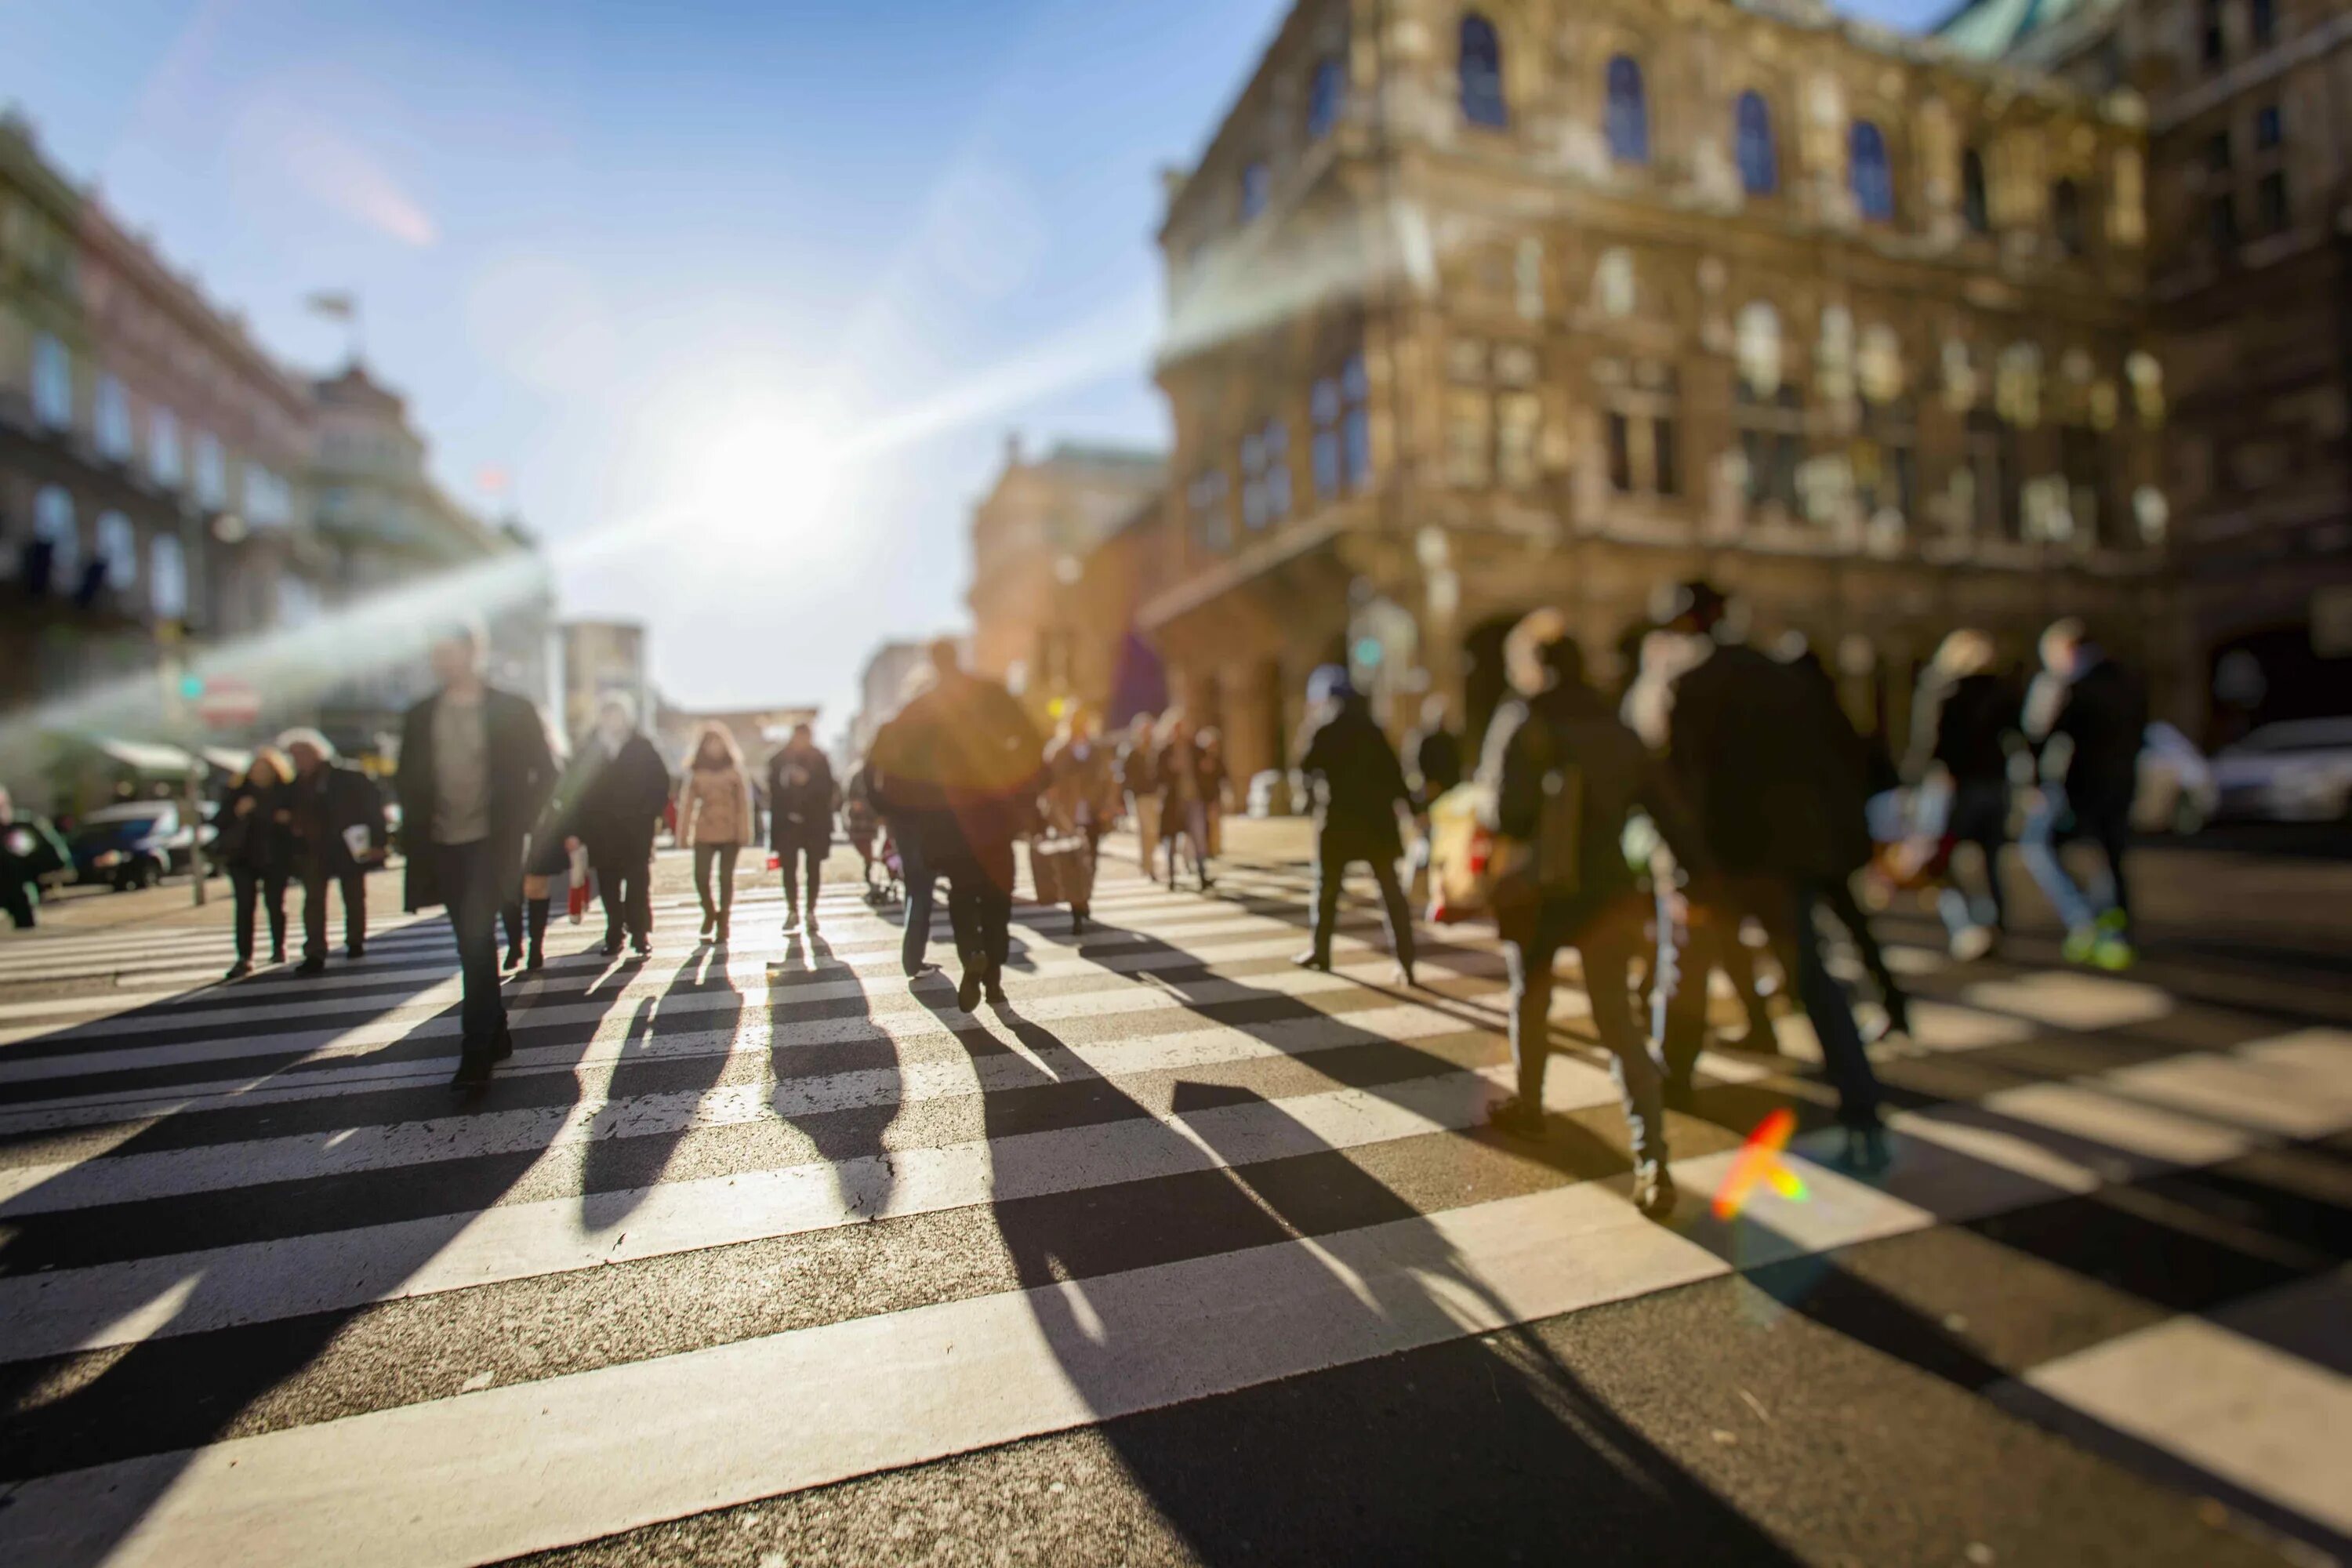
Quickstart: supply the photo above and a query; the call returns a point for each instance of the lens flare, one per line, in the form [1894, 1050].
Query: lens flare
[1759, 1164]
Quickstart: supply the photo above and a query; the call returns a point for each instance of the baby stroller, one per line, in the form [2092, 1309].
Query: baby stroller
[862, 823]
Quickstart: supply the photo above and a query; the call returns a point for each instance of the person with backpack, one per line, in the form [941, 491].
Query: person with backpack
[1567, 775]
[2086, 718]
[1764, 758]
[1359, 785]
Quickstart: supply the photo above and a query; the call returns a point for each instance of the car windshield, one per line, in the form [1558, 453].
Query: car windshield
[117, 827]
[2301, 736]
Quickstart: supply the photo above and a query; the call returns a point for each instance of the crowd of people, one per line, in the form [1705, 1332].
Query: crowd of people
[1719, 804]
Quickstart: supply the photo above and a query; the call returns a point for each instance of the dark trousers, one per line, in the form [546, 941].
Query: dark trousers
[1839, 897]
[725, 854]
[919, 894]
[623, 878]
[1608, 942]
[809, 856]
[251, 886]
[1786, 910]
[1330, 870]
[353, 883]
[469, 888]
[979, 904]
[1980, 816]
[18, 897]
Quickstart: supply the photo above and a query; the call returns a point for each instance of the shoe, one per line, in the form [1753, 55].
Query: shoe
[1653, 1190]
[718, 933]
[311, 966]
[811, 923]
[535, 960]
[1517, 1117]
[1404, 976]
[710, 923]
[612, 943]
[1078, 923]
[2113, 922]
[792, 920]
[917, 971]
[968, 988]
[1313, 959]
[641, 946]
[473, 1072]
[355, 950]
[238, 970]
[277, 955]
[1975, 942]
[2079, 943]
[2113, 954]
[1866, 1150]
[994, 991]
[514, 958]
[503, 1046]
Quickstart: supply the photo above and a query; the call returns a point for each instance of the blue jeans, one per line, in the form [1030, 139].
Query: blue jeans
[2045, 827]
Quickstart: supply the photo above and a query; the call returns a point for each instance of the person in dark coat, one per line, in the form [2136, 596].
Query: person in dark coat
[1360, 788]
[2087, 719]
[1139, 781]
[337, 816]
[29, 850]
[1964, 725]
[961, 766]
[1432, 754]
[1567, 775]
[257, 844]
[801, 797]
[1768, 765]
[1191, 780]
[475, 775]
[619, 808]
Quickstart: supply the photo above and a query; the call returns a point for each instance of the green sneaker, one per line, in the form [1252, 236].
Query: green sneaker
[2112, 923]
[2113, 954]
[2081, 942]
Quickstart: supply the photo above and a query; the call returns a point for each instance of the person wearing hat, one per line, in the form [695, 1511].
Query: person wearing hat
[1761, 756]
[1360, 788]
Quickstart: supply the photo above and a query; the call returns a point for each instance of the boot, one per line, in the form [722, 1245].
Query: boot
[537, 957]
[709, 921]
[719, 932]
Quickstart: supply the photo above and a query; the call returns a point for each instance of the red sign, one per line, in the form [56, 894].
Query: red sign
[228, 703]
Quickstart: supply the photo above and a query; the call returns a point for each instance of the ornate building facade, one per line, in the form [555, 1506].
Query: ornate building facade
[1473, 309]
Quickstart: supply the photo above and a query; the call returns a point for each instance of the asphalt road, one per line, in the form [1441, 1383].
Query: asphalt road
[764, 1254]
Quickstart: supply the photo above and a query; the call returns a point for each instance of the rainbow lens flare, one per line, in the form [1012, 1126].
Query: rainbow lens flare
[1759, 1164]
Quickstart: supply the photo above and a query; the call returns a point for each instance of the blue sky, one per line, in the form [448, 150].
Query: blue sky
[652, 261]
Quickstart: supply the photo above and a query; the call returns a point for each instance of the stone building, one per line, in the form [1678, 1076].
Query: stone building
[1030, 537]
[2249, 284]
[1477, 309]
[151, 454]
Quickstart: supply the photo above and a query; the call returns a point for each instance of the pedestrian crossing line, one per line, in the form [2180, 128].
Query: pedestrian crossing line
[58, 958]
[89, 1308]
[88, 1181]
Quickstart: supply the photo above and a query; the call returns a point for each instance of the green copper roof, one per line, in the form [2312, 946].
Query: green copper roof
[1991, 28]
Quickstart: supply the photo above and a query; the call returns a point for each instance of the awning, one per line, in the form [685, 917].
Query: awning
[148, 758]
[227, 759]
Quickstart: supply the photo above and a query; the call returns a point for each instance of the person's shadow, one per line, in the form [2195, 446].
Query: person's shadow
[652, 1096]
[183, 1324]
[842, 1095]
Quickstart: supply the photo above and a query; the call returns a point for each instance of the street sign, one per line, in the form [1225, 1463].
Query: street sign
[228, 703]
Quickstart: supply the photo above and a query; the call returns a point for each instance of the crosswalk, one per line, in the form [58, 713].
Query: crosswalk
[736, 1224]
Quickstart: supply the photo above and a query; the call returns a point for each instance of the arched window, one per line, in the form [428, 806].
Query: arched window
[1976, 206]
[1483, 102]
[2066, 215]
[53, 382]
[1628, 122]
[1256, 182]
[54, 525]
[1759, 164]
[1327, 95]
[169, 594]
[1872, 176]
[117, 546]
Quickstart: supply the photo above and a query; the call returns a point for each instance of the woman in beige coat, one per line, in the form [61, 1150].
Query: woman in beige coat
[716, 817]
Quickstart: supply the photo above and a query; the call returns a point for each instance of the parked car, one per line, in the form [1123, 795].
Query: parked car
[136, 845]
[2297, 771]
[2177, 792]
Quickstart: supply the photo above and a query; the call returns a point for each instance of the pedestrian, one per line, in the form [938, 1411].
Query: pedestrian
[1359, 787]
[620, 806]
[29, 850]
[961, 766]
[339, 834]
[475, 775]
[1964, 725]
[1567, 776]
[1082, 792]
[1186, 784]
[861, 824]
[715, 818]
[1432, 754]
[1139, 780]
[548, 855]
[1765, 762]
[801, 802]
[2086, 718]
[257, 844]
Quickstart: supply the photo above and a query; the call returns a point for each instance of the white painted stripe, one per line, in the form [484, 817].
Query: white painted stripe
[116, 1303]
[92, 1180]
[2273, 1422]
[624, 1446]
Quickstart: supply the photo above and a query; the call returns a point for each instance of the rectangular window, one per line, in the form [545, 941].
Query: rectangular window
[112, 418]
[163, 447]
[1620, 454]
[1993, 471]
[2270, 127]
[1518, 433]
[2271, 203]
[2082, 462]
[1256, 182]
[1772, 443]
[1356, 424]
[2261, 22]
[2222, 222]
[1265, 476]
[2217, 151]
[210, 472]
[1666, 468]
[53, 382]
[1323, 406]
[1212, 523]
[2214, 46]
[1469, 438]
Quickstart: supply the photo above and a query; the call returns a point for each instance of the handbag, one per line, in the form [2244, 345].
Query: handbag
[1061, 869]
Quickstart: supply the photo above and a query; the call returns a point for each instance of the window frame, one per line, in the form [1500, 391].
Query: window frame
[1484, 97]
[1868, 155]
[1326, 95]
[1756, 151]
[1975, 191]
[1625, 113]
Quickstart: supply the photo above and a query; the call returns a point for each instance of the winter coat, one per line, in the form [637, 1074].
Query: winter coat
[620, 806]
[332, 799]
[1081, 785]
[959, 767]
[2103, 717]
[1437, 756]
[256, 828]
[1363, 785]
[1770, 767]
[1189, 772]
[522, 772]
[1965, 727]
[801, 799]
[714, 806]
[1139, 767]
